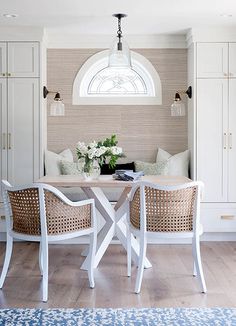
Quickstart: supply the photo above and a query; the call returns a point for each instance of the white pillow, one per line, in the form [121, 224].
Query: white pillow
[52, 161]
[177, 164]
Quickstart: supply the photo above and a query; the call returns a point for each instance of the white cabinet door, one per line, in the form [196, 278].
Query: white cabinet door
[212, 111]
[232, 141]
[3, 131]
[232, 60]
[23, 59]
[212, 60]
[3, 59]
[23, 130]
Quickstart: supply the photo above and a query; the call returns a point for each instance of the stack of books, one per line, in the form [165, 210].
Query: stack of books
[127, 175]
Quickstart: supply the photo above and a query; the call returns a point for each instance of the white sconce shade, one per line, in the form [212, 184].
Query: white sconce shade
[57, 108]
[178, 109]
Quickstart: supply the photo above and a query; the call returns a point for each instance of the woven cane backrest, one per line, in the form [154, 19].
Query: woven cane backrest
[60, 217]
[166, 211]
[63, 218]
[25, 211]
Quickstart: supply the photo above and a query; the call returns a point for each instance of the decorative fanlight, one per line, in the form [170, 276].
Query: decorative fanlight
[119, 51]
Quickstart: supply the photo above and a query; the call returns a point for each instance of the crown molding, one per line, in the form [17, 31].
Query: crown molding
[67, 40]
[217, 34]
[21, 33]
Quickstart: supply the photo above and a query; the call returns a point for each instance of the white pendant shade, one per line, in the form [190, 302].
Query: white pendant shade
[119, 54]
[57, 108]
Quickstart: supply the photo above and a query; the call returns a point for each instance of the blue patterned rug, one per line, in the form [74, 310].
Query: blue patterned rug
[119, 317]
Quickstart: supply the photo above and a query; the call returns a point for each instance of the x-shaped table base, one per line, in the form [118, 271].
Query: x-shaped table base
[115, 224]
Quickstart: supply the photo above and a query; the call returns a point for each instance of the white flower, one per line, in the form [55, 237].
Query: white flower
[100, 151]
[92, 144]
[115, 150]
[92, 153]
[82, 148]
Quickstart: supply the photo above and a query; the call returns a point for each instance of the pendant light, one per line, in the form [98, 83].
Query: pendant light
[119, 56]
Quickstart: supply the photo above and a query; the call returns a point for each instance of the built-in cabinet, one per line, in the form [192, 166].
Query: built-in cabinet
[212, 137]
[212, 60]
[19, 59]
[216, 60]
[20, 112]
[214, 148]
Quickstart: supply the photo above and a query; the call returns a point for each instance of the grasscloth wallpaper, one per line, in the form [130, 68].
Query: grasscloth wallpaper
[140, 129]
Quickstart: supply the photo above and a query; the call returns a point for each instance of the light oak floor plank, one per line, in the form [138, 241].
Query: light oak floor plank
[169, 283]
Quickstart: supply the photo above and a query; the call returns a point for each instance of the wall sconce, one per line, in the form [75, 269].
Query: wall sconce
[178, 107]
[57, 107]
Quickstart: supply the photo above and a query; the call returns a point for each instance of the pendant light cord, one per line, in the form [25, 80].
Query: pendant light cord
[119, 32]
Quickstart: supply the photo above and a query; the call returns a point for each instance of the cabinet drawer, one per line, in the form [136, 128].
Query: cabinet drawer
[218, 218]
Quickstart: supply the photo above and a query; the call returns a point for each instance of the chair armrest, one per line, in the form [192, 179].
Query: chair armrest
[66, 200]
[64, 216]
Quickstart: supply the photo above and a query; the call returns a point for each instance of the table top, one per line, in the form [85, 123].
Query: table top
[107, 181]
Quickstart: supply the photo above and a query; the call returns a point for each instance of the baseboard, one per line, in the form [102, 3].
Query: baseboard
[209, 236]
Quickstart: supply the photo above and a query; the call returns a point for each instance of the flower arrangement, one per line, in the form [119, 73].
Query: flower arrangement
[101, 151]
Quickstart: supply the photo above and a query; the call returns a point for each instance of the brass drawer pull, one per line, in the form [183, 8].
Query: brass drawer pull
[230, 141]
[227, 217]
[4, 141]
[9, 141]
[225, 140]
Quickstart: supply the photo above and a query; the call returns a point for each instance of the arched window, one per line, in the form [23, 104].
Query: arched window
[97, 84]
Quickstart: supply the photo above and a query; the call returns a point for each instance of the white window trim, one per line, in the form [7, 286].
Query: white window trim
[99, 61]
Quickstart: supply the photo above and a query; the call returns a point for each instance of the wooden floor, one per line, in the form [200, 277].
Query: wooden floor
[169, 283]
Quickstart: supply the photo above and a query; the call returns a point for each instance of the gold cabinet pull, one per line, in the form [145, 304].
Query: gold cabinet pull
[227, 217]
[9, 141]
[3, 74]
[230, 141]
[225, 140]
[4, 141]
[9, 74]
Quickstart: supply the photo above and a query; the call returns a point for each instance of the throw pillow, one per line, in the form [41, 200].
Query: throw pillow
[70, 168]
[159, 168]
[52, 161]
[178, 164]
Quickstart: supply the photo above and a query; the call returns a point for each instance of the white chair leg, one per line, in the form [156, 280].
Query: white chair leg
[128, 251]
[92, 250]
[40, 259]
[142, 255]
[45, 270]
[198, 262]
[7, 259]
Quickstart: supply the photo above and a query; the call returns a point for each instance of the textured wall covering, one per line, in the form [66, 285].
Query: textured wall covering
[140, 129]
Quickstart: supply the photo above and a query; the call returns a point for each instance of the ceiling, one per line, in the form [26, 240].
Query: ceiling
[95, 16]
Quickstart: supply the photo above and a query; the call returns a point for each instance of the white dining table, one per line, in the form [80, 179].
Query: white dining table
[114, 215]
